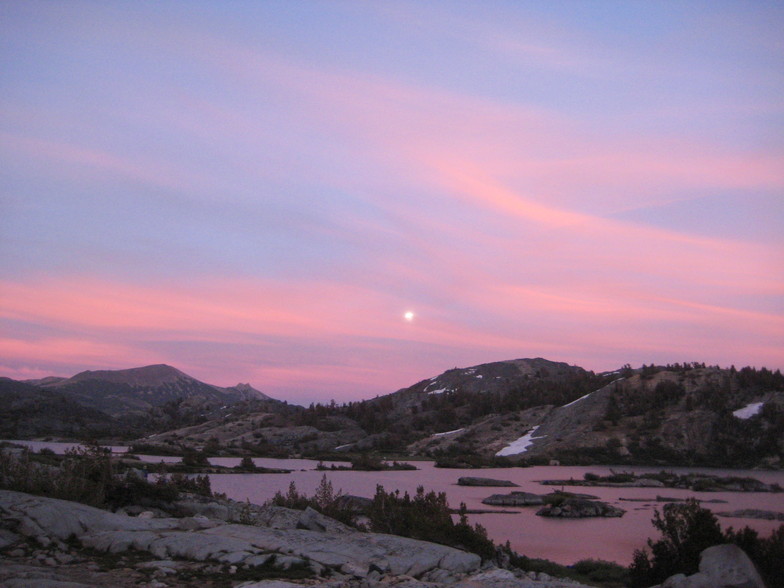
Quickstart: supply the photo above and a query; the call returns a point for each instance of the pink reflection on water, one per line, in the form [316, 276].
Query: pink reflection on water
[563, 541]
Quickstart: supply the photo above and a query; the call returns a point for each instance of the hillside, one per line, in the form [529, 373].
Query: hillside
[522, 411]
[130, 402]
[682, 414]
[27, 412]
[533, 411]
[123, 392]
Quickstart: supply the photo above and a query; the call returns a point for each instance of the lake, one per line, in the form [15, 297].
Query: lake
[562, 540]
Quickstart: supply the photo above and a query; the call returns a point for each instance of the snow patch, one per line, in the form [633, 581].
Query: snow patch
[439, 391]
[339, 447]
[521, 445]
[445, 433]
[479, 376]
[578, 400]
[748, 411]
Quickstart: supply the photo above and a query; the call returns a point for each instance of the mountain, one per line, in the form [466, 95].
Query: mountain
[522, 411]
[533, 411]
[135, 391]
[27, 412]
[129, 403]
[452, 399]
[679, 414]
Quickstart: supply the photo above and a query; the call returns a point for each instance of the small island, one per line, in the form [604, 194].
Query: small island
[695, 482]
[365, 463]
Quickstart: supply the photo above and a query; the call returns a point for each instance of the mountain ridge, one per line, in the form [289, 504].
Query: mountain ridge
[519, 411]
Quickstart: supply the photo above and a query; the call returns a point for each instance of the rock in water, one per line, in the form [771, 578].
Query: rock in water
[514, 499]
[471, 481]
[577, 508]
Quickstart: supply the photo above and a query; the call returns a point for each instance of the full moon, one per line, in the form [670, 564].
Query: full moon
[409, 316]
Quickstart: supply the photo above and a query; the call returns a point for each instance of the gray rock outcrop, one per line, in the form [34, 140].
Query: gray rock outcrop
[163, 548]
[201, 539]
[721, 566]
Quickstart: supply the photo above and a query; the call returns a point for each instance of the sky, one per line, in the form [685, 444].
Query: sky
[260, 191]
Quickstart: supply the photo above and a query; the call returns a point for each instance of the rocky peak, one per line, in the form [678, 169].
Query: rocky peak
[248, 392]
[151, 375]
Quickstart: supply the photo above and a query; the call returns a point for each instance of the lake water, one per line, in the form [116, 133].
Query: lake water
[562, 540]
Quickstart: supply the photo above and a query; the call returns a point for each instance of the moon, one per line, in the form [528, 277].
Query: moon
[409, 316]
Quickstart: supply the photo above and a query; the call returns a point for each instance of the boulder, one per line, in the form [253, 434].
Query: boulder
[357, 504]
[315, 521]
[721, 566]
[472, 481]
[728, 565]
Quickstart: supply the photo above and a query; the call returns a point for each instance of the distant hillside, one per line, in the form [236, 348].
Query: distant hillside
[28, 412]
[680, 414]
[137, 390]
[522, 411]
[390, 423]
[142, 400]
[529, 411]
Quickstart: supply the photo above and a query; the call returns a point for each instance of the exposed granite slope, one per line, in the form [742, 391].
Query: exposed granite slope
[336, 556]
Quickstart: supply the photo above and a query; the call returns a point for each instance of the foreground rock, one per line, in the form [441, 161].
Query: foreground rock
[721, 566]
[578, 508]
[472, 481]
[201, 548]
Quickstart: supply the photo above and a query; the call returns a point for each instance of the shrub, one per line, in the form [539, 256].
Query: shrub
[427, 516]
[687, 529]
[597, 571]
[247, 464]
[88, 475]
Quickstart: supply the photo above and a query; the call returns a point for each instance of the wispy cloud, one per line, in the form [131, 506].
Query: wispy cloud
[250, 194]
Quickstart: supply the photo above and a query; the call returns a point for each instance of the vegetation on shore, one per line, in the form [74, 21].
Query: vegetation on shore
[89, 475]
[687, 529]
[366, 463]
[427, 516]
